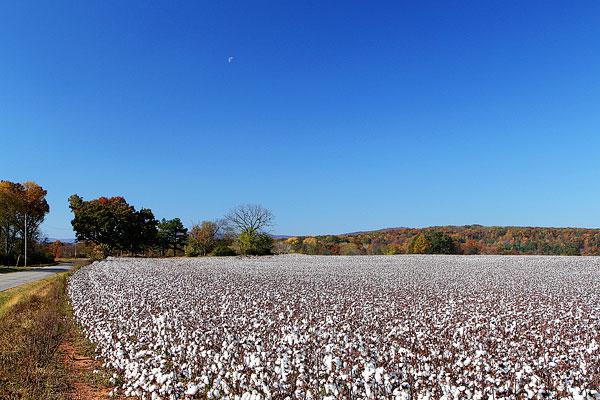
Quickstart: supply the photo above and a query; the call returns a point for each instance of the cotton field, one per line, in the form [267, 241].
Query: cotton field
[372, 327]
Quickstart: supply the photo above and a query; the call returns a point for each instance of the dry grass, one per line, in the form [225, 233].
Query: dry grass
[32, 327]
[43, 354]
[10, 297]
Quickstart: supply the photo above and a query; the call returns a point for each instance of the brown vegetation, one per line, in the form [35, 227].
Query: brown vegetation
[43, 355]
[31, 331]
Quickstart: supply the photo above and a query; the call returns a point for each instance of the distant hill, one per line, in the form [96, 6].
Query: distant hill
[468, 239]
[50, 240]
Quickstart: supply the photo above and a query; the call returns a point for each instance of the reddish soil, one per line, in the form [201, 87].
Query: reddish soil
[80, 368]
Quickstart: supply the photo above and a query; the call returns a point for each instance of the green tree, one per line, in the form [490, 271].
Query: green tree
[10, 204]
[440, 243]
[113, 223]
[171, 235]
[251, 243]
[141, 231]
[250, 223]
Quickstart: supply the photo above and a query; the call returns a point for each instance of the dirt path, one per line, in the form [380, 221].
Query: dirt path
[81, 368]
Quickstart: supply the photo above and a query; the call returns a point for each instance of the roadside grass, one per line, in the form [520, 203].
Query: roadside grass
[22, 293]
[32, 327]
[6, 270]
[43, 354]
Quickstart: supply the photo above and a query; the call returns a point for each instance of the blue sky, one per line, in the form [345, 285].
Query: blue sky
[338, 116]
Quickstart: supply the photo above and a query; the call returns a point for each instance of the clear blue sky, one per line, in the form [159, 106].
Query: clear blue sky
[338, 116]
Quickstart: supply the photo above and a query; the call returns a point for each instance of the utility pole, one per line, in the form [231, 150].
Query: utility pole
[75, 243]
[25, 240]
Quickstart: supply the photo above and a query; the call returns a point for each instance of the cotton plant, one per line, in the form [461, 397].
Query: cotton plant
[318, 327]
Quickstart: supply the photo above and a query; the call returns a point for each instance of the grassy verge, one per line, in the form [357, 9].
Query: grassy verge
[32, 327]
[23, 293]
[6, 270]
[43, 354]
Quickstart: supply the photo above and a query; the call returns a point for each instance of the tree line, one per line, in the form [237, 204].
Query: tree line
[469, 239]
[111, 226]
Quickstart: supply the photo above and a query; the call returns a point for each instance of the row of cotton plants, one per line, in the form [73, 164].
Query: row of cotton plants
[372, 327]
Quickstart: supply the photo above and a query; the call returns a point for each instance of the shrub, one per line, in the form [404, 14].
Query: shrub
[223, 250]
[40, 257]
[251, 243]
[191, 251]
[99, 252]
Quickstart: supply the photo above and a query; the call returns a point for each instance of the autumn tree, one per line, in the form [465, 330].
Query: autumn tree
[56, 248]
[310, 245]
[349, 249]
[471, 247]
[23, 207]
[112, 223]
[294, 244]
[419, 245]
[204, 238]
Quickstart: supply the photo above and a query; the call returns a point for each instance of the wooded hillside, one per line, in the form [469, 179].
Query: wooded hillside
[469, 239]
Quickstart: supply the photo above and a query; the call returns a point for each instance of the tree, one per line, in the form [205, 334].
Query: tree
[311, 245]
[419, 245]
[10, 204]
[294, 244]
[203, 238]
[101, 221]
[250, 243]
[23, 208]
[250, 218]
[171, 235]
[440, 243]
[250, 223]
[471, 247]
[35, 208]
[141, 231]
[113, 223]
[349, 249]
[56, 248]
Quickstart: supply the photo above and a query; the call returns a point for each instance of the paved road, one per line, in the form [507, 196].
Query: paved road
[12, 279]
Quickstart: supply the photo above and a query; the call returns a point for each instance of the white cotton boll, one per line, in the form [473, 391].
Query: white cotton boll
[592, 347]
[338, 323]
[191, 390]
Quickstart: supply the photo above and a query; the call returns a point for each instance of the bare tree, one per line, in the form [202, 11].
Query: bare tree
[251, 218]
